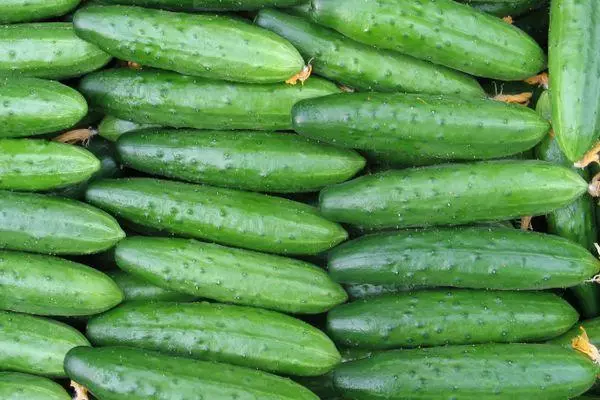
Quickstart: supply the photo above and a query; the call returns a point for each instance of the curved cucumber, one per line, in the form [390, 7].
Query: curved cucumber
[257, 161]
[51, 225]
[137, 289]
[503, 8]
[230, 275]
[12, 11]
[17, 386]
[209, 5]
[169, 99]
[363, 67]
[452, 194]
[442, 31]
[111, 128]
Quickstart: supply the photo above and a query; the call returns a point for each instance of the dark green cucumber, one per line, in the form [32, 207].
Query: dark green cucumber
[230, 275]
[574, 78]
[592, 328]
[503, 8]
[47, 50]
[243, 219]
[442, 31]
[169, 99]
[359, 291]
[35, 345]
[432, 127]
[363, 67]
[144, 374]
[480, 258]
[31, 106]
[536, 24]
[12, 11]
[51, 225]
[137, 289]
[17, 386]
[111, 128]
[452, 194]
[249, 160]
[482, 372]
[208, 5]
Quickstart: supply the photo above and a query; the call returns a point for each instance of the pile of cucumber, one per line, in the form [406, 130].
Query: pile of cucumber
[299, 199]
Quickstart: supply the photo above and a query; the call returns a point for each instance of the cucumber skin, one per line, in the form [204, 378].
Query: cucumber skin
[468, 372]
[505, 8]
[243, 219]
[35, 345]
[48, 50]
[417, 28]
[434, 127]
[32, 106]
[143, 374]
[217, 332]
[574, 80]
[51, 225]
[12, 11]
[247, 160]
[208, 5]
[230, 275]
[592, 328]
[363, 67]
[111, 128]
[136, 289]
[17, 386]
[506, 259]
[452, 194]
[169, 99]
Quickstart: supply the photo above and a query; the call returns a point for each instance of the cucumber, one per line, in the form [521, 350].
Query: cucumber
[230, 275]
[136, 289]
[479, 258]
[363, 67]
[35, 345]
[494, 371]
[536, 24]
[12, 11]
[434, 127]
[248, 160]
[31, 106]
[47, 50]
[442, 31]
[574, 78]
[503, 8]
[208, 5]
[169, 99]
[17, 386]
[144, 374]
[365, 290]
[111, 128]
[452, 194]
[51, 225]
[243, 219]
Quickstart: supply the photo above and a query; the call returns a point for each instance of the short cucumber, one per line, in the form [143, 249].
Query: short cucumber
[243, 219]
[137, 289]
[503, 8]
[111, 128]
[35, 345]
[12, 11]
[144, 374]
[169, 99]
[480, 258]
[592, 328]
[208, 5]
[31, 106]
[442, 31]
[51, 225]
[230, 275]
[17, 386]
[452, 194]
[363, 67]
[249, 160]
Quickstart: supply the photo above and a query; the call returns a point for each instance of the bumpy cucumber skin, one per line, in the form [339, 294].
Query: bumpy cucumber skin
[503, 8]
[495, 371]
[52, 225]
[35, 345]
[479, 258]
[119, 373]
[208, 5]
[249, 160]
[363, 67]
[452, 194]
[111, 128]
[12, 11]
[17, 386]
[443, 32]
[243, 219]
[217, 332]
[434, 127]
[47, 50]
[136, 289]
[170, 99]
[230, 275]
[31, 106]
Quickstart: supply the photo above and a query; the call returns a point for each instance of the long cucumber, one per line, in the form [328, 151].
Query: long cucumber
[137, 289]
[208, 5]
[12, 11]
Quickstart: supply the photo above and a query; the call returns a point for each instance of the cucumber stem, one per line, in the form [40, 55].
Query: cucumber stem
[582, 344]
[81, 392]
[594, 186]
[82, 136]
[540, 80]
[302, 75]
[526, 223]
[508, 19]
[589, 157]
[521, 98]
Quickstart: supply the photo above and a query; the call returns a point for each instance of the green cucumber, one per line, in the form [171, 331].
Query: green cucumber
[452, 194]
[31, 106]
[230, 275]
[442, 31]
[17, 386]
[169, 99]
[359, 291]
[243, 219]
[35, 345]
[248, 160]
[144, 374]
[482, 372]
[111, 128]
[47, 50]
[137, 289]
[208, 5]
[434, 127]
[363, 67]
[479, 258]
[503, 8]
[592, 328]
[12, 11]
[44, 224]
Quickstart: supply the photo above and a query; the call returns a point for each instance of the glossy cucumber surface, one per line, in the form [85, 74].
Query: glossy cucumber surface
[111, 128]
[137, 289]
[12, 11]
[18, 386]
[209, 5]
